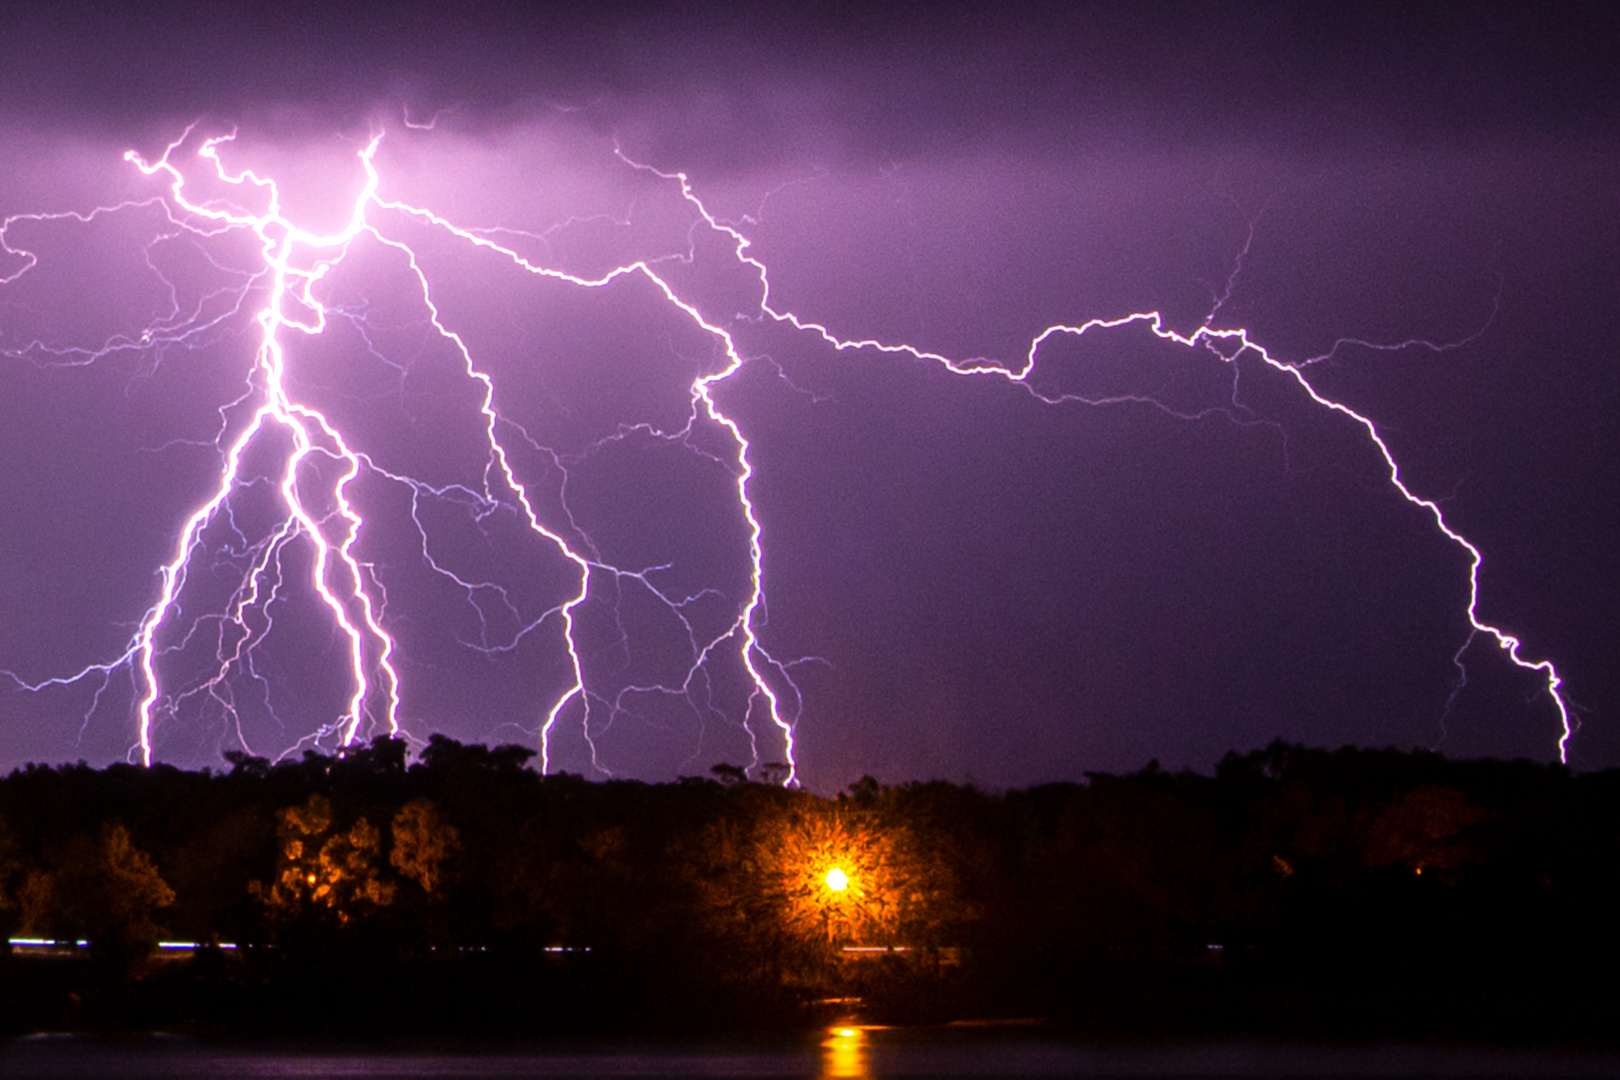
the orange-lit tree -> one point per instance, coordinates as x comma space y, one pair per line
103, 888
793, 880
837, 877
323, 868
423, 844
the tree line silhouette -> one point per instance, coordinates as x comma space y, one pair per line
1296, 891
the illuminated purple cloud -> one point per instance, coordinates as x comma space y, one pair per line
610, 431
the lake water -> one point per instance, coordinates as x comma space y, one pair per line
841, 1053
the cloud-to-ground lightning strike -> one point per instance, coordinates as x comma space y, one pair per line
1208, 337
295, 261
321, 464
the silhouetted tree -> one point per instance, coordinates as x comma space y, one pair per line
101, 888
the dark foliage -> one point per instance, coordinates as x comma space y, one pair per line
1297, 892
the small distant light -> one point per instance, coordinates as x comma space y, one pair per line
312, 879
848, 1033
837, 880
1419, 870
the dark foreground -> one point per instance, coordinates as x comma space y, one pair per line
491, 997
1376, 898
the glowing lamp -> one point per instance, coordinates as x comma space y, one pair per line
837, 880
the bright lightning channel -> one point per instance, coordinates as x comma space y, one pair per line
296, 260
1206, 337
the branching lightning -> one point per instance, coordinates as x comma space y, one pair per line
1209, 338
318, 511
206, 201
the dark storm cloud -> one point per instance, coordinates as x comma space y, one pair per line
890, 78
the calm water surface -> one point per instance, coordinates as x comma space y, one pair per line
843, 1053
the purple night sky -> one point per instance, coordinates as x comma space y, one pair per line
964, 577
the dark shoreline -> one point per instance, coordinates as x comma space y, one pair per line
452, 1003
1298, 894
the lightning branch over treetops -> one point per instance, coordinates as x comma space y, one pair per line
306, 517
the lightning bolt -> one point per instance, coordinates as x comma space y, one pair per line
316, 508
318, 467
1226, 345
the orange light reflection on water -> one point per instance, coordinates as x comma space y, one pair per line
844, 1053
